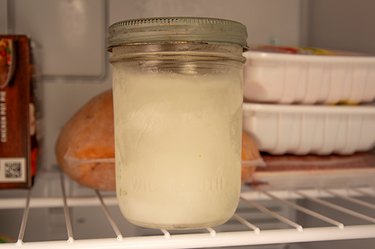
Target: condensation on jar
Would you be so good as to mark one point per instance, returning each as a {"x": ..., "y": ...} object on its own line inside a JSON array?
[{"x": 177, "y": 88}]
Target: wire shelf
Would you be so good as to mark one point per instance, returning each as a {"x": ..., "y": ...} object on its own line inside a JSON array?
[{"x": 292, "y": 231}]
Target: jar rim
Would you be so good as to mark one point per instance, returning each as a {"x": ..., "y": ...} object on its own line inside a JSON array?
[{"x": 177, "y": 29}]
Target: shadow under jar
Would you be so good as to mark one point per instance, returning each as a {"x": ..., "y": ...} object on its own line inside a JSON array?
[{"x": 177, "y": 85}]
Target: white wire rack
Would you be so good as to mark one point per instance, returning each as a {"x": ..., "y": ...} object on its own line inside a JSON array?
[{"x": 331, "y": 229}]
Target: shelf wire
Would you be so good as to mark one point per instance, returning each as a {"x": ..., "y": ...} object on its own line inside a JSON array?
[
  {"x": 354, "y": 231},
  {"x": 68, "y": 222},
  {"x": 351, "y": 199},
  {"x": 167, "y": 235},
  {"x": 304, "y": 210},
  {"x": 24, "y": 219},
  {"x": 247, "y": 223},
  {"x": 337, "y": 207},
  {"x": 109, "y": 217},
  {"x": 211, "y": 231},
  {"x": 362, "y": 192},
  {"x": 274, "y": 214}
]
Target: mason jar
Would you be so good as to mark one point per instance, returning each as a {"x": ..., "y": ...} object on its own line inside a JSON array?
[{"x": 177, "y": 89}]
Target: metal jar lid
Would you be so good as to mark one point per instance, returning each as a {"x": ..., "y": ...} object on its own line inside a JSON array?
[{"x": 176, "y": 29}]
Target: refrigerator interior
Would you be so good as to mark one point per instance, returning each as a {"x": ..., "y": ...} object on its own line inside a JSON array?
[{"x": 71, "y": 41}]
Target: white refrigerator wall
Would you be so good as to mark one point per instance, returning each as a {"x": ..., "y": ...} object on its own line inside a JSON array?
[
  {"x": 341, "y": 24},
  {"x": 71, "y": 37}
]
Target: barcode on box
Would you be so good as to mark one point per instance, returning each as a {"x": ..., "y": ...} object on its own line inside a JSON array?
[{"x": 12, "y": 170}]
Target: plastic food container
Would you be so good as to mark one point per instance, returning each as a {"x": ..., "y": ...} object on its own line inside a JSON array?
[
  {"x": 177, "y": 89},
  {"x": 302, "y": 129},
  {"x": 307, "y": 79}
]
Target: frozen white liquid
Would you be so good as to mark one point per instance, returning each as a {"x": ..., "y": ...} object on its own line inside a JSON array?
[{"x": 178, "y": 147}]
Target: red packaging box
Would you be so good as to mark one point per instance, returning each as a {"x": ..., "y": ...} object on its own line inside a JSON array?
[{"x": 18, "y": 113}]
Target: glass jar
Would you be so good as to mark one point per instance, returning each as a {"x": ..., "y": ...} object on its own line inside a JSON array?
[{"x": 177, "y": 89}]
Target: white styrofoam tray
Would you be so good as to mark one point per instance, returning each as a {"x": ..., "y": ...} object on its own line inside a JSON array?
[
  {"x": 290, "y": 78},
  {"x": 303, "y": 129}
]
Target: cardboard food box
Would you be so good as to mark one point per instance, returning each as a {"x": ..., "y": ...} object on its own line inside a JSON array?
[{"x": 18, "y": 113}]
